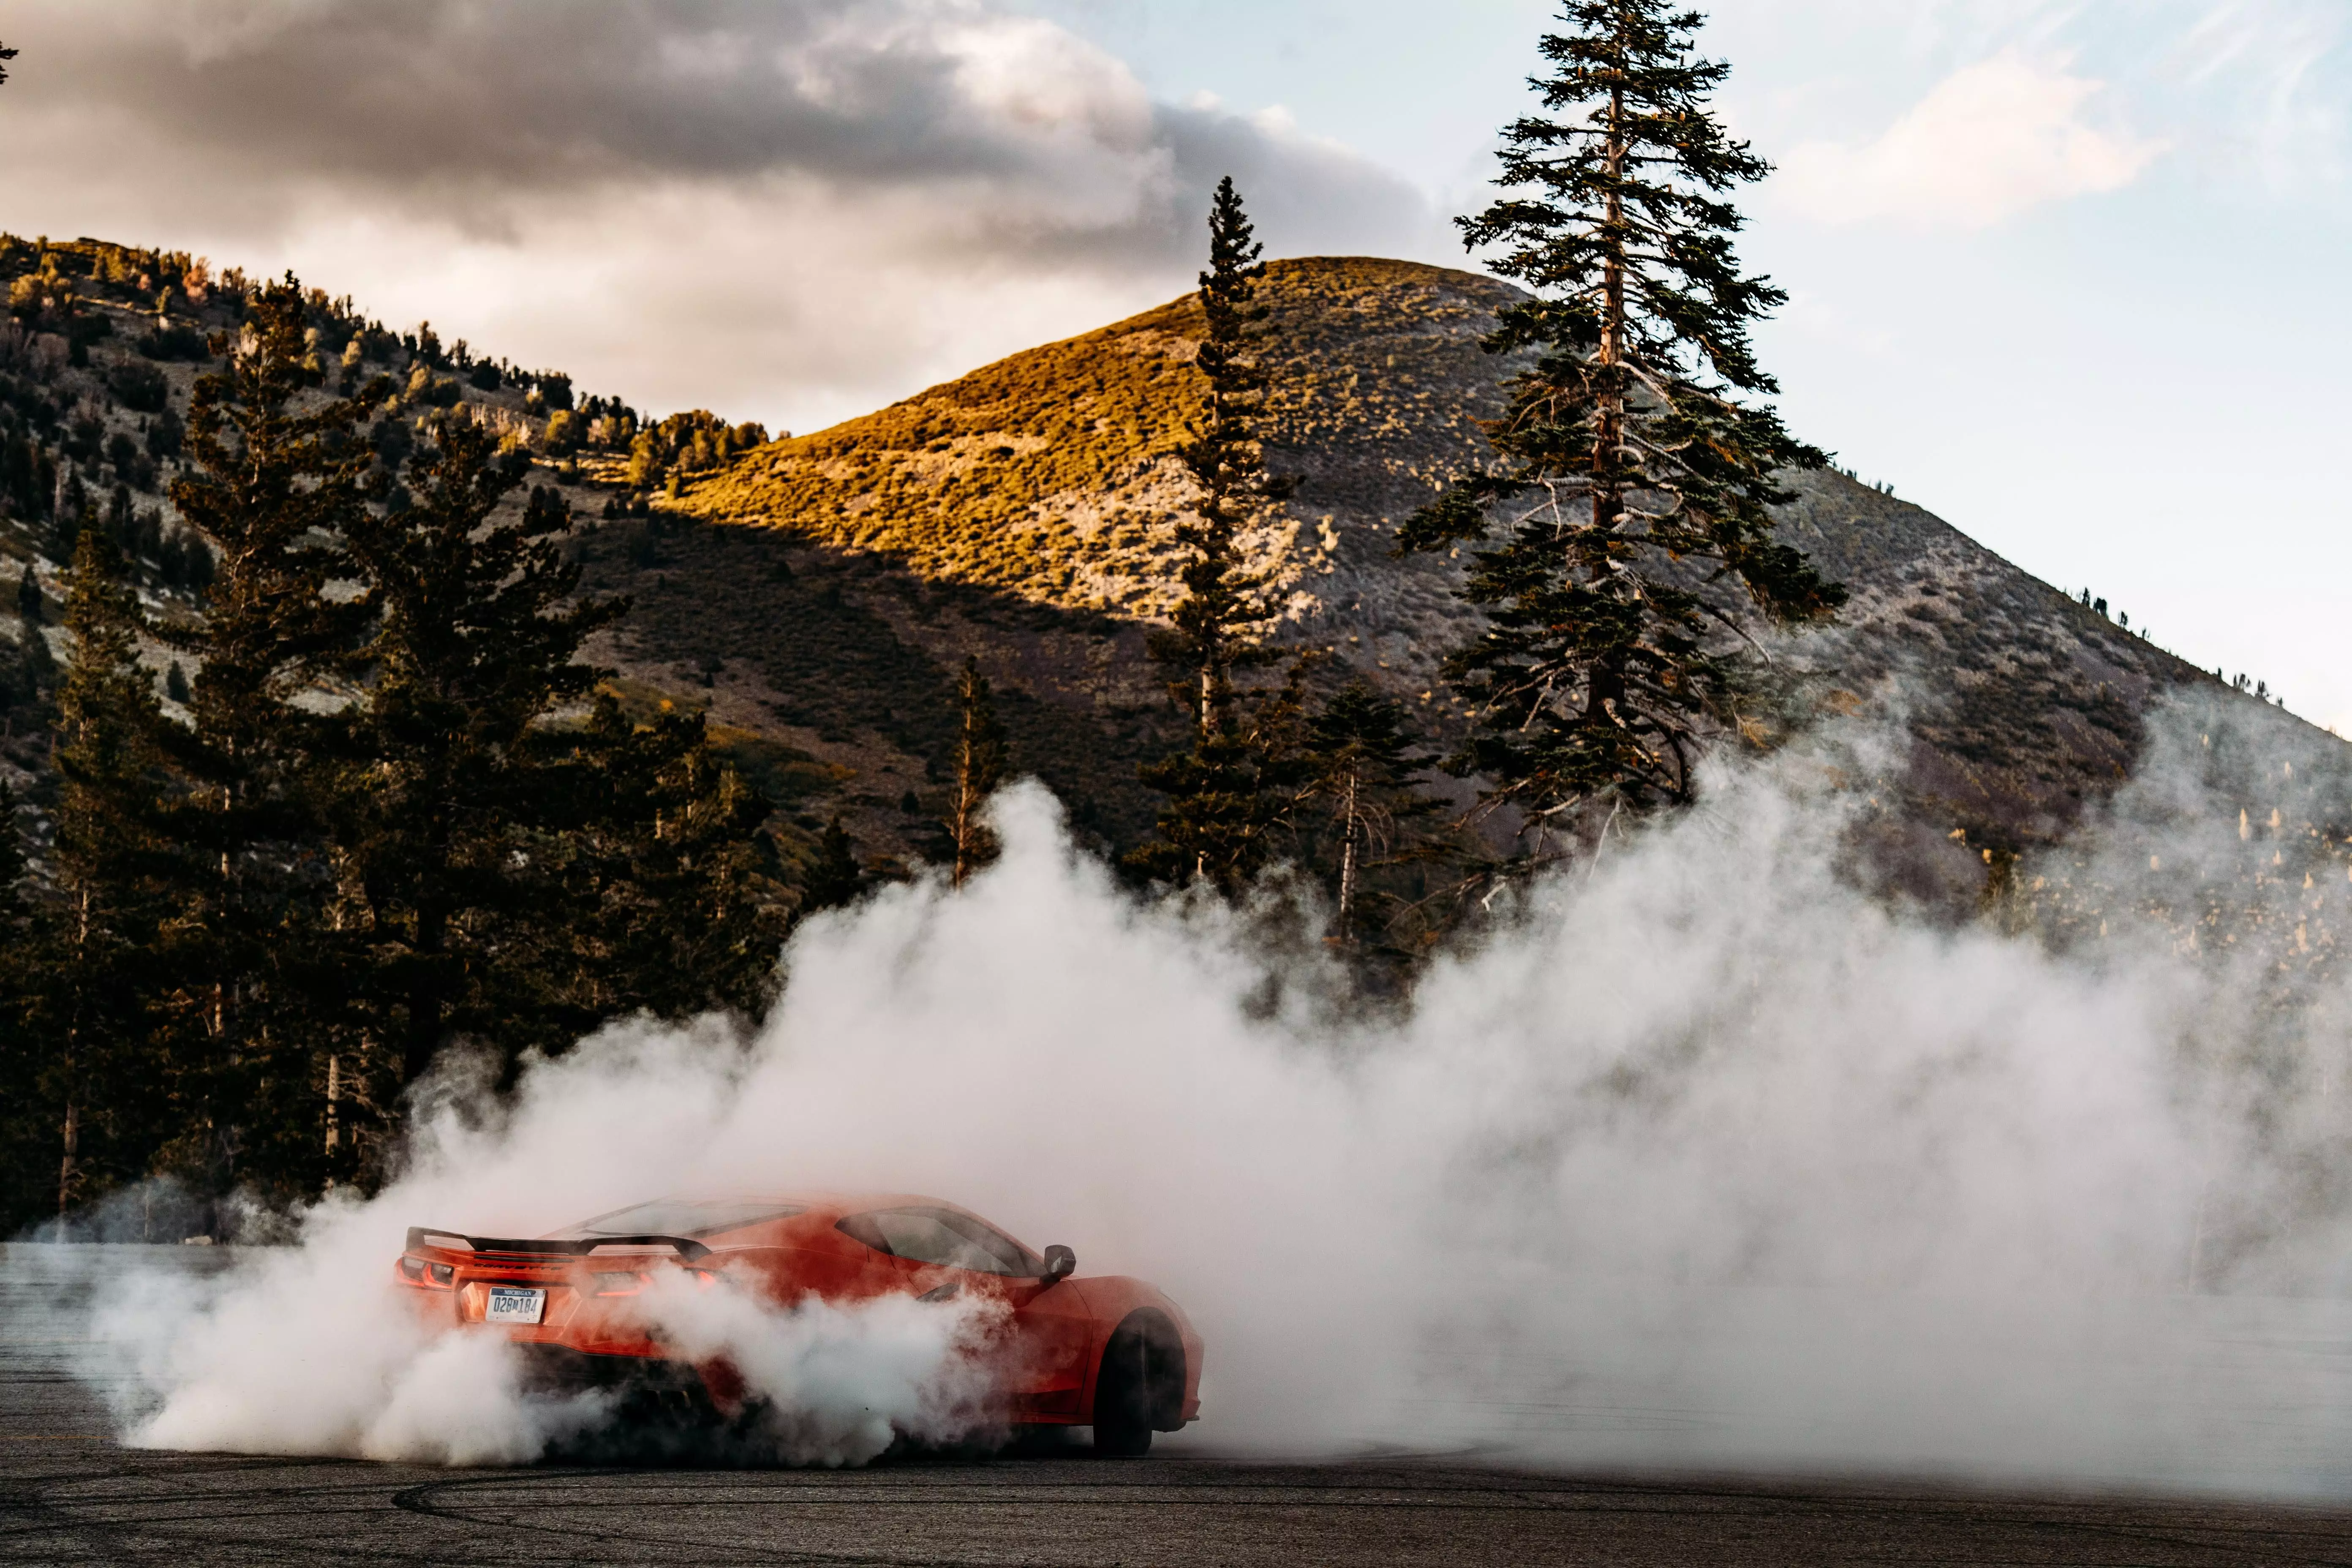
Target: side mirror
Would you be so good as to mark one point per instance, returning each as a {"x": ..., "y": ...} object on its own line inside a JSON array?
[{"x": 1060, "y": 1264}]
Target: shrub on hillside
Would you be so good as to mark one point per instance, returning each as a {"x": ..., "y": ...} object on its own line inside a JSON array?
[
  {"x": 171, "y": 342},
  {"x": 139, "y": 387},
  {"x": 430, "y": 391},
  {"x": 393, "y": 442},
  {"x": 164, "y": 435},
  {"x": 85, "y": 438}
]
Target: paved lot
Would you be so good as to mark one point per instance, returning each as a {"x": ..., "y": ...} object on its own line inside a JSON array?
[{"x": 68, "y": 1494}]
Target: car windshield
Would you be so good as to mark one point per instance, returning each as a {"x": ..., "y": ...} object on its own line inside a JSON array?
[
  {"x": 687, "y": 1217},
  {"x": 943, "y": 1237}
]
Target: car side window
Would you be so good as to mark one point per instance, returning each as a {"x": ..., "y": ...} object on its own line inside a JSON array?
[
  {"x": 941, "y": 1236},
  {"x": 686, "y": 1216}
]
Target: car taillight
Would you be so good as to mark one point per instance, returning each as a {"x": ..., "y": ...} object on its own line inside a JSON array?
[
  {"x": 418, "y": 1271},
  {"x": 618, "y": 1284}
]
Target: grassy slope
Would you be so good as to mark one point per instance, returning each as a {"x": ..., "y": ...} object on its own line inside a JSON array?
[{"x": 1049, "y": 474}]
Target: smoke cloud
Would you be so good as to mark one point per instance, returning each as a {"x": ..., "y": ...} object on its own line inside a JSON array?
[{"x": 1703, "y": 1157}]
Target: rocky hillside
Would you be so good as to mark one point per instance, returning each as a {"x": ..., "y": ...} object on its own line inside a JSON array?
[
  {"x": 819, "y": 593},
  {"x": 1023, "y": 515}
]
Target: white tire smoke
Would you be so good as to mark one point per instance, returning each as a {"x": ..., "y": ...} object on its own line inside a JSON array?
[{"x": 1709, "y": 1158}]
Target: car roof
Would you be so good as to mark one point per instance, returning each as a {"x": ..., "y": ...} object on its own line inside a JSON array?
[{"x": 826, "y": 1206}]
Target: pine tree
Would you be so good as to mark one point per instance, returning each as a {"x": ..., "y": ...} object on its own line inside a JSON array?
[
  {"x": 1232, "y": 796},
  {"x": 6, "y": 54},
  {"x": 36, "y": 675},
  {"x": 1361, "y": 759},
  {"x": 1632, "y": 514},
  {"x": 836, "y": 878},
  {"x": 979, "y": 767},
  {"x": 1218, "y": 626},
  {"x": 105, "y": 973},
  {"x": 473, "y": 648},
  {"x": 28, "y": 1125},
  {"x": 277, "y": 488},
  {"x": 26, "y": 668},
  {"x": 1230, "y": 793},
  {"x": 68, "y": 518},
  {"x": 28, "y": 478},
  {"x": 674, "y": 910}
]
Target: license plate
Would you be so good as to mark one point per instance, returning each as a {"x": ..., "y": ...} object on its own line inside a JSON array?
[{"x": 513, "y": 1304}]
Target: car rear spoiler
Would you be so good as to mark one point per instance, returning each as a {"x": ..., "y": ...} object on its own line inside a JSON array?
[{"x": 686, "y": 1247}]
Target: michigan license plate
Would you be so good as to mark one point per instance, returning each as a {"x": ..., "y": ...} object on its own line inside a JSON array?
[{"x": 513, "y": 1304}]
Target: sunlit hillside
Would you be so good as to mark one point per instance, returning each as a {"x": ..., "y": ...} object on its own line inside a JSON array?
[{"x": 1023, "y": 515}]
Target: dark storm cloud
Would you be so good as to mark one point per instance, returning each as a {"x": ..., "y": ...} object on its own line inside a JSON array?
[{"x": 461, "y": 107}]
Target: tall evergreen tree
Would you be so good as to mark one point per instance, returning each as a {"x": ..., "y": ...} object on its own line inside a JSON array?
[
  {"x": 29, "y": 673},
  {"x": 979, "y": 767},
  {"x": 1632, "y": 515},
  {"x": 835, "y": 879},
  {"x": 277, "y": 487},
  {"x": 474, "y": 646},
  {"x": 28, "y": 1128},
  {"x": 105, "y": 969},
  {"x": 1361, "y": 758},
  {"x": 37, "y": 669},
  {"x": 6, "y": 54},
  {"x": 1218, "y": 626},
  {"x": 673, "y": 912},
  {"x": 69, "y": 517},
  {"x": 1230, "y": 792},
  {"x": 28, "y": 478},
  {"x": 1231, "y": 795}
]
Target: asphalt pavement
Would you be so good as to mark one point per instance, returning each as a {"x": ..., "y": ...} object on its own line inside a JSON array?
[{"x": 70, "y": 1494}]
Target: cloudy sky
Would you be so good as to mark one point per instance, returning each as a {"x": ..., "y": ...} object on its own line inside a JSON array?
[{"x": 2070, "y": 272}]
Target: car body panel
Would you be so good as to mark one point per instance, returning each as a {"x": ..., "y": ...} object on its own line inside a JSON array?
[{"x": 1048, "y": 1368}]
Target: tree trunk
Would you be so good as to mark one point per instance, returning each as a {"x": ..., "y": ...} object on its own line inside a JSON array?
[
  {"x": 69, "y": 1176},
  {"x": 427, "y": 1005},
  {"x": 66, "y": 1174},
  {"x": 1604, "y": 686},
  {"x": 334, "y": 1114},
  {"x": 964, "y": 804},
  {"x": 1351, "y": 825}
]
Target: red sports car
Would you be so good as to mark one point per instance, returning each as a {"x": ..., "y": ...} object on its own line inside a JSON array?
[{"x": 1106, "y": 1351}]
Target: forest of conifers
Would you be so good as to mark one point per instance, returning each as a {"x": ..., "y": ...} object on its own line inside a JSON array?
[
  {"x": 374, "y": 802},
  {"x": 330, "y": 791},
  {"x": 314, "y": 781}
]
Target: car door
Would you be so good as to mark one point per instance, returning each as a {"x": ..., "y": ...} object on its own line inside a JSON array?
[{"x": 951, "y": 1253}]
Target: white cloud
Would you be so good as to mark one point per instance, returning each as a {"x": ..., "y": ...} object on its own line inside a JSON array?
[{"x": 1991, "y": 141}]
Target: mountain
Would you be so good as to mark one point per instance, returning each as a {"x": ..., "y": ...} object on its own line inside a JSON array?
[
  {"x": 1023, "y": 515},
  {"x": 818, "y": 593}
]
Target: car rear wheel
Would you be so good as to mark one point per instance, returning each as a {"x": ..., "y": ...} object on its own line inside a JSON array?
[{"x": 1142, "y": 1384}]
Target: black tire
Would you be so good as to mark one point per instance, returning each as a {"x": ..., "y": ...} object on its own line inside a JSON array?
[{"x": 1140, "y": 1386}]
